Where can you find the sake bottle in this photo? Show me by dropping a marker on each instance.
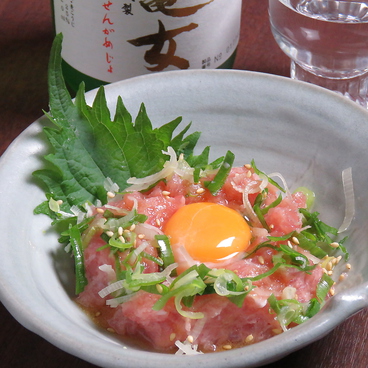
(109, 40)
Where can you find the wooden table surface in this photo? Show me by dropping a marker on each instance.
(26, 35)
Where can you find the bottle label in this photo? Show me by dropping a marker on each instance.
(112, 40)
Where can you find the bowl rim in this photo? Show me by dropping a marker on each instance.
(336, 310)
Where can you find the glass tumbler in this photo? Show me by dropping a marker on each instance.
(327, 42)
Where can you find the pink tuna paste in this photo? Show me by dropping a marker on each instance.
(224, 325)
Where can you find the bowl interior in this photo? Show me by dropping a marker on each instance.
(308, 134)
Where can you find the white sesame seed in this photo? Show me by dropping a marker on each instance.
(332, 291)
(227, 347)
(289, 244)
(338, 259)
(334, 245)
(342, 277)
(172, 336)
(261, 260)
(110, 233)
(248, 166)
(158, 222)
(59, 202)
(110, 194)
(295, 240)
(249, 338)
(329, 273)
(122, 239)
(348, 266)
(120, 230)
(132, 227)
(100, 210)
(329, 266)
(165, 193)
(141, 236)
(248, 174)
(271, 226)
(190, 339)
(159, 288)
(200, 190)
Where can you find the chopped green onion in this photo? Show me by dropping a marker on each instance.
(227, 282)
(263, 175)
(76, 244)
(218, 181)
(287, 310)
(319, 228)
(257, 210)
(324, 287)
(166, 253)
(189, 284)
(297, 258)
(152, 258)
(308, 242)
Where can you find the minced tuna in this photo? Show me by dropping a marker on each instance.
(224, 324)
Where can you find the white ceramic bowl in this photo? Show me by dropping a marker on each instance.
(308, 134)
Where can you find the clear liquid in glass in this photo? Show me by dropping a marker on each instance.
(327, 38)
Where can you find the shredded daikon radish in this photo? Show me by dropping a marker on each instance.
(118, 210)
(146, 182)
(110, 186)
(186, 348)
(184, 256)
(184, 170)
(115, 286)
(284, 183)
(141, 248)
(259, 232)
(81, 215)
(347, 182)
(149, 231)
(196, 330)
(114, 303)
(312, 258)
(263, 184)
(66, 214)
(167, 271)
(250, 188)
(109, 271)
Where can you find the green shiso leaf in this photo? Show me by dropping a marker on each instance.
(88, 146)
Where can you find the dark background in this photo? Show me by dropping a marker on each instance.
(26, 35)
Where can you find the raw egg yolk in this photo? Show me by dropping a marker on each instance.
(209, 232)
